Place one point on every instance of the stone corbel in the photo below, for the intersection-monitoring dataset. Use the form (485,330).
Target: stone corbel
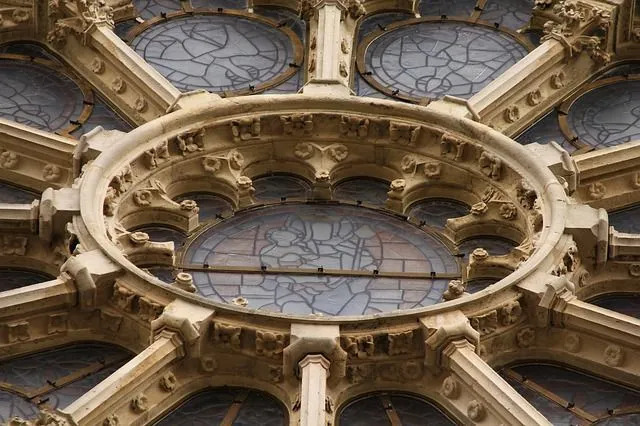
(186,320)
(440,331)
(90,271)
(315,339)
(57,208)
(483,265)
(561,164)
(140,250)
(558,292)
(92,144)
(19,218)
(501,215)
(590,230)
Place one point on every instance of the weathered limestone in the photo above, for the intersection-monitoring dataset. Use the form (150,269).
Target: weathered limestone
(314,370)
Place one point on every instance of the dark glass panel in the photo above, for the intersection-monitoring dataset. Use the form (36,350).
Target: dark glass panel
(621,420)
(608,115)
(260,409)
(416,412)
(375,22)
(150,8)
(12,405)
(215,52)
(209,204)
(103,115)
(496,246)
(463,8)
(163,234)
(37,96)
(28,49)
(215,4)
(436,211)
(15,195)
(16,278)
(63,397)
(474,286)
(512,14)
(163,273)
(273,188)
(627,220)
(365,412)
(370,191)
(621,70)
(123,27)
(627,304)
(544,131)
(441,58)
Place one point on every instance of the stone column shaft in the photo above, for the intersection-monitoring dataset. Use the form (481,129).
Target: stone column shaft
(314,372)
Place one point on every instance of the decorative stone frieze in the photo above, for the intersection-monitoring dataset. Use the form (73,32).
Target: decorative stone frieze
(297,125)
(403,134)
(354,127)
(245,129)
(269,344)
(614,355)
(227,335)
(450,388)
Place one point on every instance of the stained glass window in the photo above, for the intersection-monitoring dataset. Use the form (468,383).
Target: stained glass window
(370,191)
(545,130)
(391,409)
(55,378)
(11,278)
(626,220)
(461,8)
(164,234)
(627,304)
(433,59)
(568,397)
(496,246)
(242,407)
(103,115)
(15,195)
(149,8)
(209,205)
(512,14)
(274,188)
(435,212)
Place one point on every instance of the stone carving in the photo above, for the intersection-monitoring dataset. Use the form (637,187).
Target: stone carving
(614,355)
(510,313)
(269,344)
(184,281)
(148,310)
(13,245)
(122,181)
(476,411)
(409,163)
(168,382)
(153,157)
(360,373)
(342,69)
(51,173)
(557,80)
(527,196)
(337,152)
(328,405)
(240,301)
(142,197)
(20,15)
(525,337)
(478,209)
(312,63)
(191,141)
(236,159)
(490,165)
(303,150)
(119,85)
(276,374)
(140,104)
(403,134)
(111,420)
(354,127)
(512,114)
(356,9)
(110,202)
(593,46)
(432,170)
(344,46)
(110,322)
(140,403)
(479,255)
(57,323)
(211,164)
(508,211)
(397,185)
(227,335)
(245,129)
(634,269)
(455,289)
(123,298)
(485,324)
(358,346)
(400,343)
(297,125)
(97,66)
(597,190)
(534,97)
(452,146)
(411,370)
(572,342)
(18,332)
(450,388)
(208,364)
(9,160)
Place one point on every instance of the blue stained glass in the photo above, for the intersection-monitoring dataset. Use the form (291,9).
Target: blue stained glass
(627,304)
(215,4)
(15,278)
(15,195)
(12,405)
(436,211)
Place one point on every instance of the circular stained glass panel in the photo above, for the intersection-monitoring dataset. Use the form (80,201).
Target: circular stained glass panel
(38,96)
(433,59)
(216,52)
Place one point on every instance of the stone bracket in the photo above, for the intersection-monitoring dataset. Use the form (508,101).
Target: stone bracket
(442,329)
(561,164)
(57,208)
(185,319)
(558,292)
(590,230)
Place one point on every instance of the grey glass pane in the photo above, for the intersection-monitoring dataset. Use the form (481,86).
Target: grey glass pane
(588,393)
(494,245)
(34,371)
(545,130)
(150,8)
(328,295)
(474,286)
(622,420)
(215,4)
(416,412)
(273,188)
(260,409)
(437,58)
(37,96)
(215,52)
(627,304)
(312,236)
(621,70)
(15,278)
(103,115)
(556,414)
(12,194)
(627,220)
(14,406)
(292,85)
(363,88)
(63,397)
(122,28)
(375,22)
(210,205)
(370,191)
(285,17)
(365,412)
(533,36)
(463,8)
(162,234)
(28,49)
(163,273)
(436,211)
(512,14)
(608,115)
